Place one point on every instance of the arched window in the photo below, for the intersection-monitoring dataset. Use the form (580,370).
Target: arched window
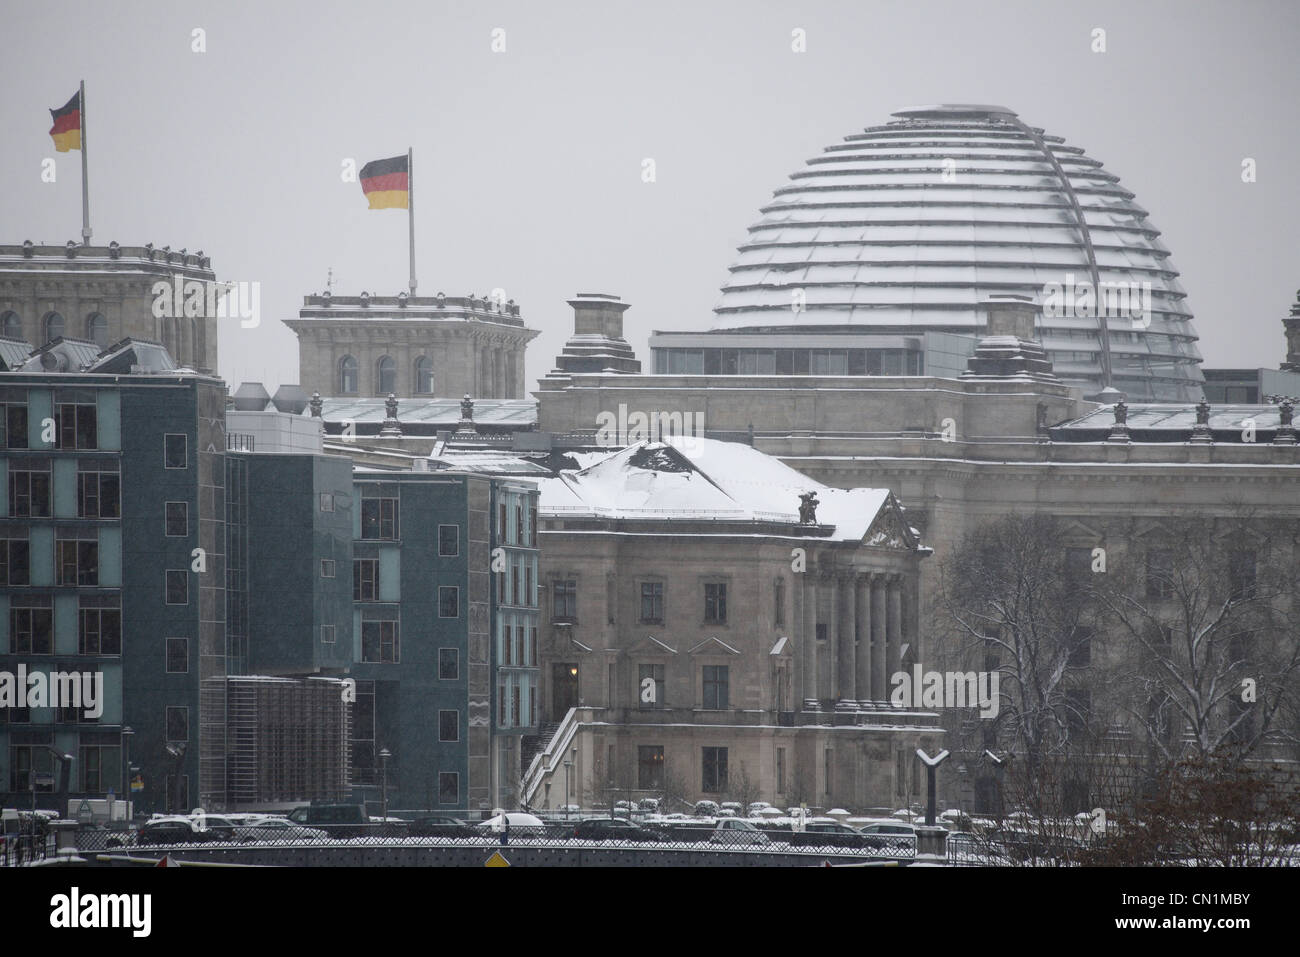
(97,330)
(386,379)
(53,324)
(347,376)
(11,326)
(424,376)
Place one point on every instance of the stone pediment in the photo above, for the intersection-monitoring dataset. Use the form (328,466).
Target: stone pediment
(713,645)
(650,645)
(890,530)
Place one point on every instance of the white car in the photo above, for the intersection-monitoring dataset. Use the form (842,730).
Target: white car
(278,829)
(735,832)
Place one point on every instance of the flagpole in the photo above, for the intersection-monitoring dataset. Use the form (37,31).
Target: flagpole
(85,180)
(410,209)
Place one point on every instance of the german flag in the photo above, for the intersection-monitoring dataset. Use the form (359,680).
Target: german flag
(67,125)
(386,183)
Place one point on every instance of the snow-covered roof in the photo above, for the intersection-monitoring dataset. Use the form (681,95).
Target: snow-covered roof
(694,479)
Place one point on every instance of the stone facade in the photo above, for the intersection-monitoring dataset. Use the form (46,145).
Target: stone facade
(811,629)
(422,346)
(106,293)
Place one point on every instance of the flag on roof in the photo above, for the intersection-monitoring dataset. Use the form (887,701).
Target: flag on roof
(66,130)
(386,183)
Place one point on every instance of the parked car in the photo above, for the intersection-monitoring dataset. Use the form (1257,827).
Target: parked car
(733,831)
(278,829)
(441,825)
(520,824)
(889,835)
(214,827)
(337,820)
(828,834)
(614,829)
(169,830)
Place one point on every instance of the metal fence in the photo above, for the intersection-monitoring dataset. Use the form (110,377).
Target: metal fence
(558,835)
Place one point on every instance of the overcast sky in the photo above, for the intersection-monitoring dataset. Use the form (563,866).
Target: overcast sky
(528,162)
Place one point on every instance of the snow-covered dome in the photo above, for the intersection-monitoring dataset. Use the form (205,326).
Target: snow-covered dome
(906,227)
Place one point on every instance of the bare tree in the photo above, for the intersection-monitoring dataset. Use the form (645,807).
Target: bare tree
(1209,810)
(1208,613)
(1014,601)
(742,789)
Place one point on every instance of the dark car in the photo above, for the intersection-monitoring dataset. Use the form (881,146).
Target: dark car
(613,829)
(173,831)
(337,820)
(440,825)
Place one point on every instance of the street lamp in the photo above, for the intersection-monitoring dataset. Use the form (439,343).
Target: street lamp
(126,762)
(384,755)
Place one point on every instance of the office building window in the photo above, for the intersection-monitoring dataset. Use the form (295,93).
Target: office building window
(175,451)
(1160,564)
(327,568)
(715,603)
(530,594)
(449,540)
(715,771)
(99,492)
(1241,574)
(564,600)
(31,625)
(448,725)
(76,562)
(379,642)
(780,770)
(15,560)
(178,724)
(327,634)
(650,767)
(14,423)
(178,656)
(507,645)
(449,664)
(778,601)
(99,629)
(347,376)
(327,501)
(178,587)
(75,426)
(423,376)
(448,787)
(177,519)
(365,579)
(448,601)
(501,522)
(716,679)
(29,488)
(379,518)
(532,645)
(652,603)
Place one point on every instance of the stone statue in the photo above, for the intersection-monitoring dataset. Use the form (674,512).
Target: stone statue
(317,405)
(1121,413)
(1285,411)
(467,408)
(390,406)
(1202,413)
(808,508)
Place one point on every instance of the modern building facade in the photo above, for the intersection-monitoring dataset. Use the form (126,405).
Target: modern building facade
(113,527)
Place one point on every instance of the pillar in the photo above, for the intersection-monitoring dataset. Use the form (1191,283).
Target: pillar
(849,625)
(879,680)
(809,643)
(894,625)
(831,691)
(862,602)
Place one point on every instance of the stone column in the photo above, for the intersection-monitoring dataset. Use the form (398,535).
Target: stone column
(879,679)
(862,600)
(848,649)
(809,639)
(831,691)
(894,627)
